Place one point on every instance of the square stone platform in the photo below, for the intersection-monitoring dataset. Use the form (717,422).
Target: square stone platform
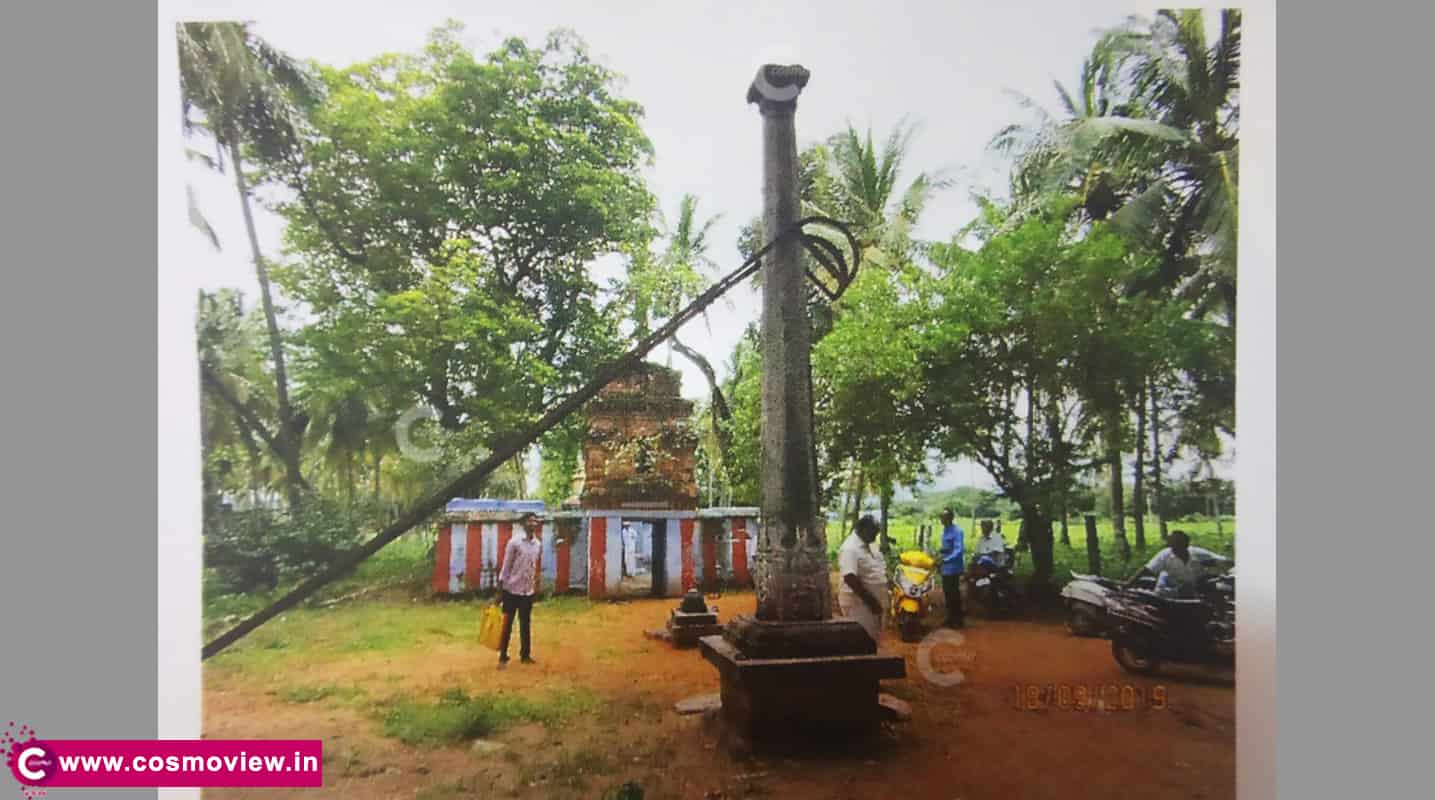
(787,685)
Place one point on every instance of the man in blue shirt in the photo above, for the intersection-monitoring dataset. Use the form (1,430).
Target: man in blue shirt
(953,548)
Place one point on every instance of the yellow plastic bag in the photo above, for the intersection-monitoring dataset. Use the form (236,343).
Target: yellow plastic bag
(490,627)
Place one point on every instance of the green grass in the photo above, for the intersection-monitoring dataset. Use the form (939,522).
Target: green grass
(457,716)
(384,625)
(405,565)
(571,769)
(314,694)
(569,605)
(405,562)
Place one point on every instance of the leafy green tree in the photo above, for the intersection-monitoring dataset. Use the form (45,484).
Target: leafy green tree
(561,453)
(742,459)
(445,211)
(1149,142)
(243,93)
(1081,155)
(866,376)
(851,178)
(1009,348)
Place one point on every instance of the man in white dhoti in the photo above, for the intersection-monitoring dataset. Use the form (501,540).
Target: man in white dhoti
(630,550)
(863,593)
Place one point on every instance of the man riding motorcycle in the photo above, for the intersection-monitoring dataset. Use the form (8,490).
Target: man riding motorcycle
(991,574)
(1187,618)
(1178,570)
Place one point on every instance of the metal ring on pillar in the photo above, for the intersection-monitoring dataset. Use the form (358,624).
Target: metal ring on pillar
(829,256)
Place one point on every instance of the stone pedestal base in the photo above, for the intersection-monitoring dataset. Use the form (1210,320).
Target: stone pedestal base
(689,622)
(802,690)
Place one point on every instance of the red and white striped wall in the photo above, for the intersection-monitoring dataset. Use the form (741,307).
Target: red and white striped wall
(582,551)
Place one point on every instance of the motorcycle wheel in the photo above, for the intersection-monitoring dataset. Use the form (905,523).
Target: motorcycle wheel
(1134,656)
(1083,620)
(909,626)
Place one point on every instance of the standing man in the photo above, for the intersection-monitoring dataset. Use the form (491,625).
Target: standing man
(624,538)
(864,578)
(953,549)
(518,585)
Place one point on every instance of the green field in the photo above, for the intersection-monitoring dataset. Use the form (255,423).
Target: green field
(903,532)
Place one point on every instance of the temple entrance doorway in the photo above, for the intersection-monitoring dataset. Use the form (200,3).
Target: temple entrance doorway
(637,558)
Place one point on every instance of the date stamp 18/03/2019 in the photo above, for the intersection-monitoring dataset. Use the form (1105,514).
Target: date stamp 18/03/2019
(1088,697)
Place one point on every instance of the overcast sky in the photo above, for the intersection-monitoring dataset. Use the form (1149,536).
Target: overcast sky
(946,65)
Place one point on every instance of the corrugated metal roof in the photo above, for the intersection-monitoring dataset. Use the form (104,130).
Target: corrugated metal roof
(511,506)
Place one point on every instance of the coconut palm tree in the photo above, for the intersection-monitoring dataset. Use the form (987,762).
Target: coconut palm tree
(341,425)
(1189,83)
(858,183)
(237,412)
(659,286)
(242,92)
(685,268)
(1077,150)
(1150,141)
(854,179)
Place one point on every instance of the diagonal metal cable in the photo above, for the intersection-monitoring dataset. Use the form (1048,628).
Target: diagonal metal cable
(828,256)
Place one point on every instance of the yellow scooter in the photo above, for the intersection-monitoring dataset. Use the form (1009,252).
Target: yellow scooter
(912,583)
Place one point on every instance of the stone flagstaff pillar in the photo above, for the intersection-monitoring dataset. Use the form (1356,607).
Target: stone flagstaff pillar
(793,676)
(791,559)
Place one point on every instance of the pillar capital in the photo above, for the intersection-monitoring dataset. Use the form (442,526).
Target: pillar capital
(775,87)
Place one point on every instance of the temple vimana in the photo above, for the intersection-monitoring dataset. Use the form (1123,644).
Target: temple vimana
(640,451)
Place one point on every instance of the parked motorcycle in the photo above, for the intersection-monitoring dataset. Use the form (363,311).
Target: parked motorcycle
(1149,628)
(912,583)
(992,584)
(1088,596)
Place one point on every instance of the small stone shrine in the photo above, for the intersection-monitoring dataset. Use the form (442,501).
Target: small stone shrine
(690,621)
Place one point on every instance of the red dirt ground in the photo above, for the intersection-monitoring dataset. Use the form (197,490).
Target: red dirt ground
(968,741)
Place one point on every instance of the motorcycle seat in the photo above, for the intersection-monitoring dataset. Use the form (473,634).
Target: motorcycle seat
(1182,602)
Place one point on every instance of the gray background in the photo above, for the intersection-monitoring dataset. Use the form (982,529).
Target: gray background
(1355,402)
(77,310)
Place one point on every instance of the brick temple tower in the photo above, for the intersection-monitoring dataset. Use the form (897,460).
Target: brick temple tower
(641,450)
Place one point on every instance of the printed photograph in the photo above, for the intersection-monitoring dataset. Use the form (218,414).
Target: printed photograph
(720,401)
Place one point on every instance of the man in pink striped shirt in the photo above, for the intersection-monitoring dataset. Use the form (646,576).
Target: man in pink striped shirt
(518,585)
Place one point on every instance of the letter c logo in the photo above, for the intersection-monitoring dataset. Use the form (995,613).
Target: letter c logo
(22,763)
(405,442)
